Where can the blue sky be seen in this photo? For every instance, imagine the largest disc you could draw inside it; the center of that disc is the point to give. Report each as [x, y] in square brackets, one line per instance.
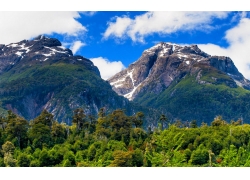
[115, 39]
[230, 37]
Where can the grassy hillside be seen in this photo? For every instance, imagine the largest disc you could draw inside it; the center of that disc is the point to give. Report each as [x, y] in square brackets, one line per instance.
[187, 99]
[29, 88]
[61, 87]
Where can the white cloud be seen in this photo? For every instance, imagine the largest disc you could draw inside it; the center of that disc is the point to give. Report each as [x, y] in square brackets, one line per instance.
[119, 27]
[161, 22]
[88, 13]
[76, 46]
[107, 68]
[16, 26]
[238, 38]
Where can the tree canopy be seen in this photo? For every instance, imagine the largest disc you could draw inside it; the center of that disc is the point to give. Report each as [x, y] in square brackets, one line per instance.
[118, 140]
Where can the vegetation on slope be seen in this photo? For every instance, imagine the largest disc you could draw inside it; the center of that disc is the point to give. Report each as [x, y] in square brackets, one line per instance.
[187, 99]
[64, 85]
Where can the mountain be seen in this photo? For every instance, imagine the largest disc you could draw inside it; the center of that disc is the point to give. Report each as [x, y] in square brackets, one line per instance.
[41, 74]
[186, 83]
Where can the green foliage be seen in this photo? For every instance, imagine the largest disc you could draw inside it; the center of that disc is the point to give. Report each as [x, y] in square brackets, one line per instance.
[120, 125]
[35, 163]
[193, 124]
[79, 157]
[16, 128]
[65, 80]
[44, 158]
[2, 162]
[8, 151]
[217, 98]
[55, 156]
[116, 145]
[138, 119]
[83, 164]
[163, 119]
[9, 161]
[137, 158]
[69, 159]
[79, 118]
[200, 156]
[37, 153]
[50, 144]
[39, 135]
[218, 121]
[103, 127]
[67, 163]
[44, 118]
[91, 152]
[23, 160]
[8, 148]
[58, 133]
[121, 159]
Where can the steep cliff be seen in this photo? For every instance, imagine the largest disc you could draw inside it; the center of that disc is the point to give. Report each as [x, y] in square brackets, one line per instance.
[185, 82]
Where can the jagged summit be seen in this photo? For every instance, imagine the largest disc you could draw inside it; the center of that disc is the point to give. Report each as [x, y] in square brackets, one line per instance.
[38, 50]
[46, 41]
[164, 49]
[161, 64]
[185, 83]
[41, 73]
[41, 44]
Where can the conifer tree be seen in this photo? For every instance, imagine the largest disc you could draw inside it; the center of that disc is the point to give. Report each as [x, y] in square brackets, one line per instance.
[79, 118]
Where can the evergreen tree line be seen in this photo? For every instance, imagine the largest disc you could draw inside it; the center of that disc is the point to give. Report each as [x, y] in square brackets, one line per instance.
[118, 140]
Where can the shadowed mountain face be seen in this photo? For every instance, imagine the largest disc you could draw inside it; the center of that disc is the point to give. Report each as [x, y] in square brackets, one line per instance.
[186, 83]
[41, 74]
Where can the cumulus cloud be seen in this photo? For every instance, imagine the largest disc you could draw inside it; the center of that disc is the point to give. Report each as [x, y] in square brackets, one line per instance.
[160, 22]
[238, 38]
[16, 26]
[106, 67]
[88, 13]
[76, 46]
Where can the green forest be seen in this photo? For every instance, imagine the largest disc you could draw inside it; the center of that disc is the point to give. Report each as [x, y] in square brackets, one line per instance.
[118, 140]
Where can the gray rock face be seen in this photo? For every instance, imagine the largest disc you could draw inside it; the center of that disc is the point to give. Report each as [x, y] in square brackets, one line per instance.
[163, 63]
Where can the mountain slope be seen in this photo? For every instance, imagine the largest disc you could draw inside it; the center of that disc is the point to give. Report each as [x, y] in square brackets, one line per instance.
[185, 82]
[41, 74]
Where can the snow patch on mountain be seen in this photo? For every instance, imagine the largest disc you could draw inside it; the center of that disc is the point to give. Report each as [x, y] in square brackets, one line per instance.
[19, 53]
[238, 83]
[130, 74]
[54, 51]
[182, 55]
[27, 49]
[173, 48]
[168, 61]
[129, 95]
[119, 80]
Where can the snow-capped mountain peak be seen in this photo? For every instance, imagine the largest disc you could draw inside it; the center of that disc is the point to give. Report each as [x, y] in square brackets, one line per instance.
[162, 63]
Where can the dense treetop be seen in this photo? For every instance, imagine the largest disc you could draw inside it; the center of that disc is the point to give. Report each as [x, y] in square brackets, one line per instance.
[118, 140]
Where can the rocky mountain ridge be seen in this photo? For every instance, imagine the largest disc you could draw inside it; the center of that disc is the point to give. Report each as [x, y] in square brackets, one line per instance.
[163, 63]
[38, 50]
[179, 81]
[41, 74]
[185, 84]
